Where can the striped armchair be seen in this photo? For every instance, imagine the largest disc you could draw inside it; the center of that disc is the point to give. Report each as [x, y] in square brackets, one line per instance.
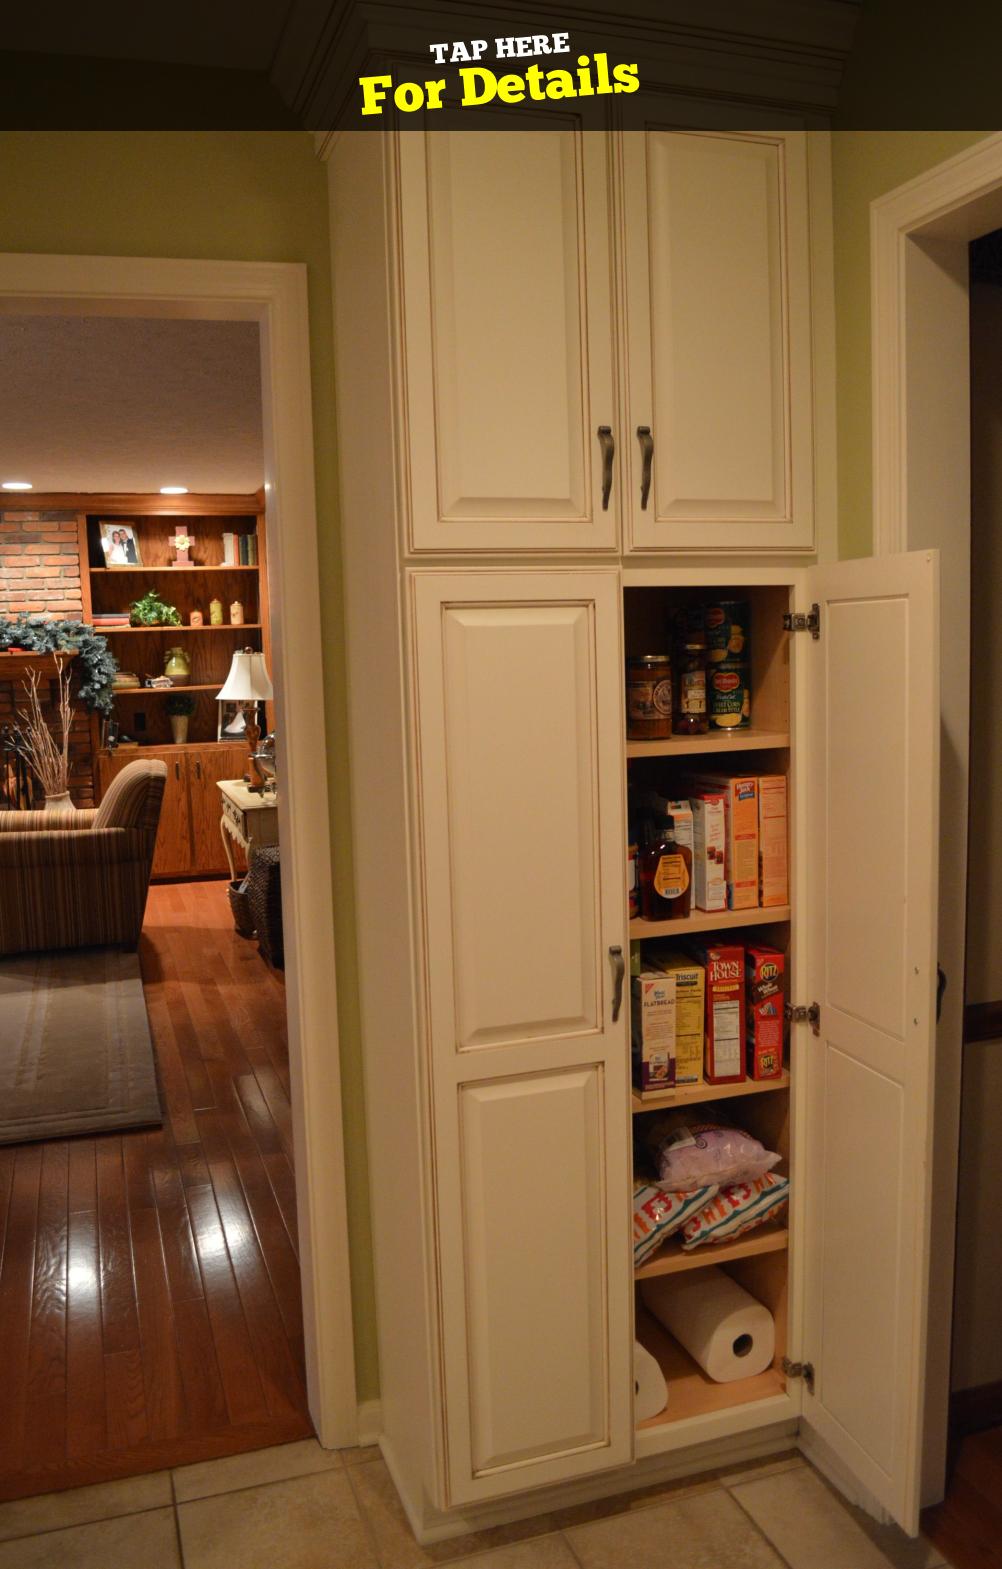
[81, 881]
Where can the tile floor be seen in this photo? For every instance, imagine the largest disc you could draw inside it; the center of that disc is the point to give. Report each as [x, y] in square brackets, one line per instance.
[299, 1507]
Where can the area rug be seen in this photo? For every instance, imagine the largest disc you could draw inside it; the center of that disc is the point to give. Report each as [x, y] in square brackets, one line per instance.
[75, 1048]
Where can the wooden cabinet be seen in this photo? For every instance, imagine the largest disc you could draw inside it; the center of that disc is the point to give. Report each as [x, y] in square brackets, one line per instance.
[720, 434]
[486, 710]
[188, 840]
[507, 306]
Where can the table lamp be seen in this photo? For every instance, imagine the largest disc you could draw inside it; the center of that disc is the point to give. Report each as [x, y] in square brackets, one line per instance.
[247, 685]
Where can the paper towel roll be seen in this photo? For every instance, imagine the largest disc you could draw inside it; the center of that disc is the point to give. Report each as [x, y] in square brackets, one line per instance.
[649, 1387]
[723, 1328]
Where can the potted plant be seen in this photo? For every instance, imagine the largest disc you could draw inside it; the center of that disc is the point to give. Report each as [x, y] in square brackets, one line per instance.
[152, 611]
[180, 709]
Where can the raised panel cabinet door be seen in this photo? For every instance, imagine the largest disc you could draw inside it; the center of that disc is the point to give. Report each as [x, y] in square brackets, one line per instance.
[206, 766]
[719, 445]
[873, 834]
[518, 707]
[507, 342]
[172, 856]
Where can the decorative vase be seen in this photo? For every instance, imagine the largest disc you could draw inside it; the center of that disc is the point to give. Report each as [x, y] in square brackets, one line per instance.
[179, 728]
[177, 665]
[236, 614]
[215, 612]
[60, 805]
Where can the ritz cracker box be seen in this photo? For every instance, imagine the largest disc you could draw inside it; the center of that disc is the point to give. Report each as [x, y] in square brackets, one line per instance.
[765, 1011]
[740, 833]
[652, 1026]
[724, 1028]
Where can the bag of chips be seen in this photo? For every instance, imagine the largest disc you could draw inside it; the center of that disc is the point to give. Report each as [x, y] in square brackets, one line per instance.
[657, 1214]
[690, 1152]
[737, 1209]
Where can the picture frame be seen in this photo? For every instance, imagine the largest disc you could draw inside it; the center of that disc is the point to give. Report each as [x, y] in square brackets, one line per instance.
[119, 545]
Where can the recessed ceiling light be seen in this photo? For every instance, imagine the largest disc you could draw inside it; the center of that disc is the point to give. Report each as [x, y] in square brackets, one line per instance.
[173, 490]
[16, 484]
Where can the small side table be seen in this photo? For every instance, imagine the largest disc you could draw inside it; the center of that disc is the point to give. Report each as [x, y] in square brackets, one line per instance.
[249, 819]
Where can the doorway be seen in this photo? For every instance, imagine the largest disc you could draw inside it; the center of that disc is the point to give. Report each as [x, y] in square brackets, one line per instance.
[273, 297]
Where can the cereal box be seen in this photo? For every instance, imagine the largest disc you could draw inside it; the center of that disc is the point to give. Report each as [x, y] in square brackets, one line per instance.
[689, 1001]
[709, 883]
[740, 834]
[772, 839]
[652, 1027]
[764, 1022]
[724, 1036]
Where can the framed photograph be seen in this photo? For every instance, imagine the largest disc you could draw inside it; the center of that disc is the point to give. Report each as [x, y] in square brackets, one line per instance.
[120, 545]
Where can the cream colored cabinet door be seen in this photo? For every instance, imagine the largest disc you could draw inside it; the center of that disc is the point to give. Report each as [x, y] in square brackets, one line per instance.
[507, 342]
[719, 444]
[873, 834]
[518, 714]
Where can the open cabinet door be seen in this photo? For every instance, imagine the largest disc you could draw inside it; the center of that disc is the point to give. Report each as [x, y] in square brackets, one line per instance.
[873, 828]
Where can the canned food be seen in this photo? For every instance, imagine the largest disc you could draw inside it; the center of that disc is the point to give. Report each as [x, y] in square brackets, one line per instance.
[728, 631]
[648, 697]
[730, 697]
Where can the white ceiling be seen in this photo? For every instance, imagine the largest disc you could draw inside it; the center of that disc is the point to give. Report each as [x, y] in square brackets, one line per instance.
[119, 403]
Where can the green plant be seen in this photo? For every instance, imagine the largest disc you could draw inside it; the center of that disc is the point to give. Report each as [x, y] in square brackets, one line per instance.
[181, 705]
[93, 667]
[152, 611]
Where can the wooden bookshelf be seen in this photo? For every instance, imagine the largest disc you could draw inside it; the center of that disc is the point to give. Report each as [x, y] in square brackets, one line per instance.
[671, 1259]
[717, 741]
[694, 1094]
[708, 921]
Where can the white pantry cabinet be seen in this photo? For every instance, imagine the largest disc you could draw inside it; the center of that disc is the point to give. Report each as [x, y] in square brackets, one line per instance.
[489, 765]
[533, 411]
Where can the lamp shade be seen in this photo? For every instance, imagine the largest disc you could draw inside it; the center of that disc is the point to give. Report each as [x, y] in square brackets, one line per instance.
[248, 680]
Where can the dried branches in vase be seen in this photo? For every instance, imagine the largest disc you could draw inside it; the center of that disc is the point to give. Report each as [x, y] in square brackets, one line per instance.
[49, 762]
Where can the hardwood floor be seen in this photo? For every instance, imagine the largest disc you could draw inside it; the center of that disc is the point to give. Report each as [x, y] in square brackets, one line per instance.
[967, 1525]
[150, 1310]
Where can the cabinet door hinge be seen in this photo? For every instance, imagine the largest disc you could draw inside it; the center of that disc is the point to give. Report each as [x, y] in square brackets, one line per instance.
[804, 1370]
[801, 1015]
[796, 621]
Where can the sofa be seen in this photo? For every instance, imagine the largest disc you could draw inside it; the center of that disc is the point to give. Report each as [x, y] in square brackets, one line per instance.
[80, 880]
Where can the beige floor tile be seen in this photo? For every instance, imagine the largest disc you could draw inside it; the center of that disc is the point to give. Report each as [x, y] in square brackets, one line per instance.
[146, 1540]
[707, 1530]
[546, 1552]
[755, 1470]
[642, 1498]
[77, 1506]
[814, 1530]
[395, 1542]
[360, 1456]
[254, 1469]
[303, 1523]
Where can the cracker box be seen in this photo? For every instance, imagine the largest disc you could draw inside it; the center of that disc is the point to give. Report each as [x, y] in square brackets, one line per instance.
[740, 834]
[652, 1027]
[724, 1032]
[764, 969]
[774, 887]
[709, 882]
[689, 1003]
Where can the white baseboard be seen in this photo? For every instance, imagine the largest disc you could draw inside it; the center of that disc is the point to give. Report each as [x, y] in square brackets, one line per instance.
[370, 1422]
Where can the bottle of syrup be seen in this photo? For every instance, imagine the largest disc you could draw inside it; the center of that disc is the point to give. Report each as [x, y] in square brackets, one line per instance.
[665, 874]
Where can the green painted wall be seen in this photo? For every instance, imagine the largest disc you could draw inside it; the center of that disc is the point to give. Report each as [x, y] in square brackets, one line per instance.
[238, 196]
[865, 165]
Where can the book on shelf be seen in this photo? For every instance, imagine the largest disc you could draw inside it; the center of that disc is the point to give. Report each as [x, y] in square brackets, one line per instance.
[229, 549]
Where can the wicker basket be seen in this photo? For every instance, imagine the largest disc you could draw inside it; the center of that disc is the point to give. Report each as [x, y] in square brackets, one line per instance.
[264, 889]
[240, 906]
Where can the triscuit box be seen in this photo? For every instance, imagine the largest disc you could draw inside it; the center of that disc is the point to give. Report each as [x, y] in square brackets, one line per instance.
[709, 881]
[740, 833]
[772, 840]
[652, 1028]
[689, 1003]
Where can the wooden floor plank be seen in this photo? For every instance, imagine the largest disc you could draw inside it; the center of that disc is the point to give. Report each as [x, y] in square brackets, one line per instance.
[967, 1525]
[149, 1289]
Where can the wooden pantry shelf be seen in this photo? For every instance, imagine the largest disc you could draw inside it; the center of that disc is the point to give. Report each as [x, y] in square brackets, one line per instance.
[692, 1094]
[708, 921]
[671, 1260]
[716, 741]
[164, 691]
[177, 571]
[244, 626]
[691, 1392]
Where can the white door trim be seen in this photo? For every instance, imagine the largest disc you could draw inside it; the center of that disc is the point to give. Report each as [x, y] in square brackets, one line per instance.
[920, 314]
[274, 295]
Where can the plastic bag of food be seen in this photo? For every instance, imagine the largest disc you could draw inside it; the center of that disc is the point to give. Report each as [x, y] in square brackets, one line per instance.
[737, 1209]
[693, 1152]
[657, 1215]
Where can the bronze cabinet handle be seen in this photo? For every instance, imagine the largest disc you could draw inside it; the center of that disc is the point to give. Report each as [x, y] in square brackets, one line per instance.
[198, 768]
[177, 769]
[618, 972]
[647, 450]
[607, 442]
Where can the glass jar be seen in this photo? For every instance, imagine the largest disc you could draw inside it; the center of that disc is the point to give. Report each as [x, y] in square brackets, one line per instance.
[648, 697]
[690, 686]
[665, 874]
